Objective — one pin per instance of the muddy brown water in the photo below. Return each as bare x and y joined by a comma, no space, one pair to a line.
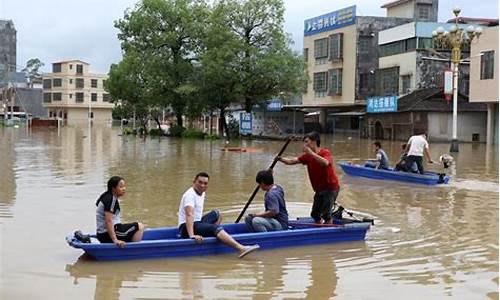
428,242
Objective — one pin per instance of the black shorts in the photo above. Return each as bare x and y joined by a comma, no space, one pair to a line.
322,205
206,227
124,232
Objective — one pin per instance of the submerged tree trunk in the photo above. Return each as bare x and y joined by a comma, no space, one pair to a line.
157,120
179,119
223,123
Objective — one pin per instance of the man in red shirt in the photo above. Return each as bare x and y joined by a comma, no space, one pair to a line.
324,182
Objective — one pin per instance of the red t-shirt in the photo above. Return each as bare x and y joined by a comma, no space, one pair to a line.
322,178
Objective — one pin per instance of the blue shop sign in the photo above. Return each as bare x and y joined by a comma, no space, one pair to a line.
337,19
274,105
382,104
245,123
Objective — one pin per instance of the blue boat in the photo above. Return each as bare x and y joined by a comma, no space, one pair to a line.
165,242
428,178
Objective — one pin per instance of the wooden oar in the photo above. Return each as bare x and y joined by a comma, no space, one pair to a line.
289,139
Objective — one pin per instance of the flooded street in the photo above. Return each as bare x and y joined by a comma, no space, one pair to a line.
427,242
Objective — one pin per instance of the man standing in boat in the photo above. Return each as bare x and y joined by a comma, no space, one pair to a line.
417,147
194,225
322,175
275,216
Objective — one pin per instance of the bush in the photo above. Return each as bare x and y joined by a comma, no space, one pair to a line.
193,133
127,131
212,137
177,130
156,132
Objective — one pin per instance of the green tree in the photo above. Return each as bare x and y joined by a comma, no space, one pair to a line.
32,70
166,34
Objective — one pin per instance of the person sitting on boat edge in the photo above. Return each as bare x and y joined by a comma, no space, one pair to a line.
401,165
194,225
417,147
275,216
381,161
322,175
108,217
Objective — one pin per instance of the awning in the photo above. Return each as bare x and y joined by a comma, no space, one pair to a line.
348,114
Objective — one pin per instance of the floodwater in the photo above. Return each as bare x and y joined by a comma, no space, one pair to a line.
428,242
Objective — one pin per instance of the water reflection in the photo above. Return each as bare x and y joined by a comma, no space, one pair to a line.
7,180
304,272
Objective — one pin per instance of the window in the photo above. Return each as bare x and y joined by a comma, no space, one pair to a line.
56,68
104,83
70,96
388,81
91,114
321,48
335,77
47,97
320,84
336,46
105,98
56,82
393,48
79,69
425,43
305,53
70,81
56,96
365,43
411,44
79,97
79,83
93,83
406,83
93,97
71,67
47,83
424,11
487,64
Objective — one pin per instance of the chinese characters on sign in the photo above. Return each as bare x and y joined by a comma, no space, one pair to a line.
274,105
245,123
382,104
333,20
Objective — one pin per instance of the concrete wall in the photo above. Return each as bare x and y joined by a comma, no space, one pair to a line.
348,65
485,90
8,46
397,33
78,116
469,123
406,10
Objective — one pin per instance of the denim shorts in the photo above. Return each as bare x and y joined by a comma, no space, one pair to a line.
206,227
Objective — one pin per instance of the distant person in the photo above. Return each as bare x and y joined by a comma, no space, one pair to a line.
194,225
275,216
108,217
322,175
381,161
401,165
417,147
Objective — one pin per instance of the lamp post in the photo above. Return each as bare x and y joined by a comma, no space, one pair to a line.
454,40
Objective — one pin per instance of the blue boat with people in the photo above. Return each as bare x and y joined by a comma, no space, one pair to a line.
166,243
428,178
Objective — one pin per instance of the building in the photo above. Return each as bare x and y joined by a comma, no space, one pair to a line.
75,95
341,52
425,110
484,78
8,44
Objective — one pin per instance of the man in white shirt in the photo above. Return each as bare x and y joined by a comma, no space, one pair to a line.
416,148
195,226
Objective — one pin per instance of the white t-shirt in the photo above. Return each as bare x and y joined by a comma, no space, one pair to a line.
191,198
417,145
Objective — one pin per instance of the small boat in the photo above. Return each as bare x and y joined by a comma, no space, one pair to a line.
429,178
165,242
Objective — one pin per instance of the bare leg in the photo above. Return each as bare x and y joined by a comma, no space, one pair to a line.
137,237
224,237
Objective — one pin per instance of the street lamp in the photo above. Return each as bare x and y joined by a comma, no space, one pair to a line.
455,38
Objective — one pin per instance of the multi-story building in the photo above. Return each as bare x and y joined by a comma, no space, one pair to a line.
75,95
7,48
340,49
484,78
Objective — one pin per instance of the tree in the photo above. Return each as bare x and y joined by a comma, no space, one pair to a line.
167,34
32,70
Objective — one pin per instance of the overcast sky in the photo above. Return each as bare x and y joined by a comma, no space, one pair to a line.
54,30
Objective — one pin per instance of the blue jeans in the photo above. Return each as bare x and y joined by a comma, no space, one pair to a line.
205,227
259,224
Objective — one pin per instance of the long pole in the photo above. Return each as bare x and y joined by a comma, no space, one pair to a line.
454,140
257,187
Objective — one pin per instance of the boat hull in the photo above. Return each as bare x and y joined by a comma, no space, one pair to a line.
429,178
165,243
